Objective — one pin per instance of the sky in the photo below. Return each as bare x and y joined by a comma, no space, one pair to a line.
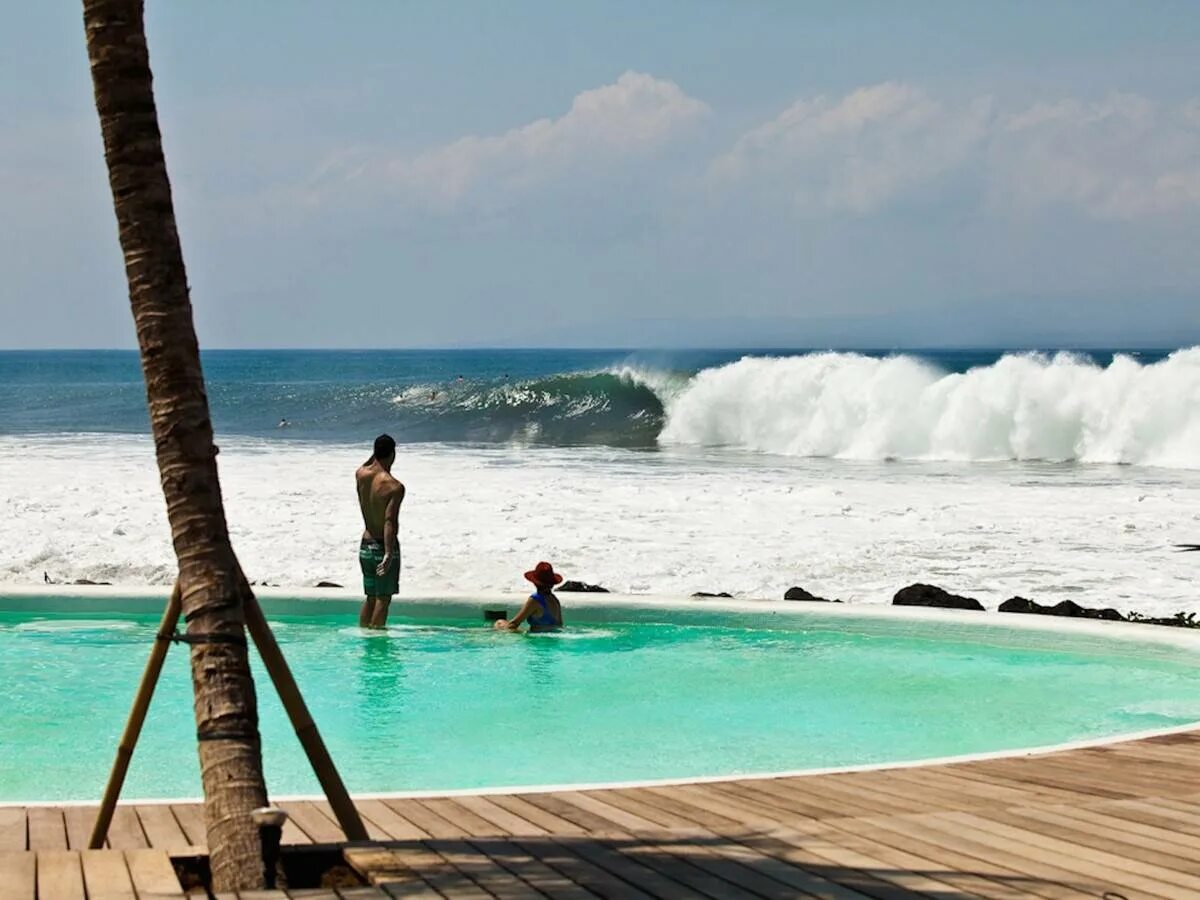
621,174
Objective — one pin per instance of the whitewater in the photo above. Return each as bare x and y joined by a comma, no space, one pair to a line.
1024,407
1048,476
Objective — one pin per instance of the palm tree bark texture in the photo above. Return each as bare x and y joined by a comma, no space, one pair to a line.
225,706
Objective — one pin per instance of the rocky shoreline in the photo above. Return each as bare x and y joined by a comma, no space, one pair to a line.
932,596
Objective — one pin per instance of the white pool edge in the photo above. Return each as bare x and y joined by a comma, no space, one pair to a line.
1178,637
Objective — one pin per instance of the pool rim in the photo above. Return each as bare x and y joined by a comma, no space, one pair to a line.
1120,631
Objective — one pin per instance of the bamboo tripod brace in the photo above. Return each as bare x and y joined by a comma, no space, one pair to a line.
289,695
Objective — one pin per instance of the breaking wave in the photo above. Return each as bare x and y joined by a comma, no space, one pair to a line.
619,407
1022,407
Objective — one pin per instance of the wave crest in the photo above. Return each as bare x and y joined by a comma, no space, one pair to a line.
1023,407
620,406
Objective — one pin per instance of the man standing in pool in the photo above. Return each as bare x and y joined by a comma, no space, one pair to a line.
379,498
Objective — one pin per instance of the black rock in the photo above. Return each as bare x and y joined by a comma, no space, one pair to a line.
1074,610
1023,605
328,584
702,594
88,581
1067,608
930,595
799,593
580,587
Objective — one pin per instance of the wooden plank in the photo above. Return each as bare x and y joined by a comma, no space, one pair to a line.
884,793
797,849
758,851
548,822
709,866
190,817
908,880
981,852
1002,881
615,814
18,873
60,875
152,874
105,875
14,832
161,827
125,832
587,820
530,870
1079,783
412,869
795,805
1098,833
460,816
491,877
1155,813
559,855
984,791
374,832
619,862
395,826
79,821
47,830
312,822
1032,864
1037,792
425,819
506,822
1107,818
858,798
1073,857
635,804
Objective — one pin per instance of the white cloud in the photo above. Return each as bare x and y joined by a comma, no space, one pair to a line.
628,119
1125,157
857,153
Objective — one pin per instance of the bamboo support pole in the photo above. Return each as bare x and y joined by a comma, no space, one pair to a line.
302,722
133,725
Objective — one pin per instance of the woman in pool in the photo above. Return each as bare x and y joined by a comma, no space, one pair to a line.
542,610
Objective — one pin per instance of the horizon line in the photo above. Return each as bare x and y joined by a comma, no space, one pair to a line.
634,348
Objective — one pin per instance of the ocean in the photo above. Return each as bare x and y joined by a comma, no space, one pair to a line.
993,473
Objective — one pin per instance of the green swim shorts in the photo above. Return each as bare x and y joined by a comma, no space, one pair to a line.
370,555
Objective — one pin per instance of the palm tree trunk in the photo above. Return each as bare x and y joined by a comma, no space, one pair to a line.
225,705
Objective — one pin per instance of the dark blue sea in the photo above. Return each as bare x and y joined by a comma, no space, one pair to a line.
556,397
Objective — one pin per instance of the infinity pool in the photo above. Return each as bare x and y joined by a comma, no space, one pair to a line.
443,702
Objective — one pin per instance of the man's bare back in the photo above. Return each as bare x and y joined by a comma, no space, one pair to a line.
377,488
379,497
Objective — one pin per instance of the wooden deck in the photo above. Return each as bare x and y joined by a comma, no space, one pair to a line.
1121,821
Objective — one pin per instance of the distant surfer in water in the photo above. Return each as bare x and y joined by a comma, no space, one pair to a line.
379,498
542,610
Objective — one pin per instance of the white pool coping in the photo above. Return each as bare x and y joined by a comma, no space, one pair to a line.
1121,631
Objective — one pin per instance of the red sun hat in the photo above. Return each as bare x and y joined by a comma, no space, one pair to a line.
543,573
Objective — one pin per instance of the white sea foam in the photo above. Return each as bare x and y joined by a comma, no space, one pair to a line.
1024,407
675,521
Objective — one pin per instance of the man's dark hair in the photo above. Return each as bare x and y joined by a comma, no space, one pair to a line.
385,446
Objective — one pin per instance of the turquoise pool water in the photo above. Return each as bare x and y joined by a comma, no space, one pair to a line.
447,703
